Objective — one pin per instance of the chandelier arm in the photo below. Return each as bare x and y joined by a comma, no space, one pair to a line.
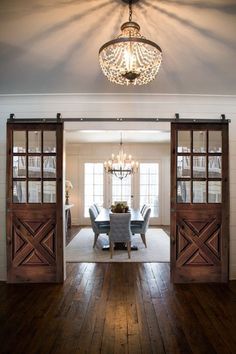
127,40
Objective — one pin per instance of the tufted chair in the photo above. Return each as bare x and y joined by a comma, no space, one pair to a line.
142,228
101,229
120,230
143,209
97,207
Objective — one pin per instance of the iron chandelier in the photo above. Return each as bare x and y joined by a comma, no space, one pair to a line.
121,165
130,58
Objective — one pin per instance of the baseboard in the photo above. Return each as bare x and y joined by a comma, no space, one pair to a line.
3,275
75,221
232,272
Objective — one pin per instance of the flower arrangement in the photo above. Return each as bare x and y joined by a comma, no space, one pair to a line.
120,208
68,186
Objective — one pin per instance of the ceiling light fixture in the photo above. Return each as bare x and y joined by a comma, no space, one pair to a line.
130,58
122,165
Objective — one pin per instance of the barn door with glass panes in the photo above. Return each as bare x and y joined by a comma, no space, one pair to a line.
199,202
34,202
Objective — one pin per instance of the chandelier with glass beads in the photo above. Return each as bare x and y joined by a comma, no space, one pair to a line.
130,59
122,164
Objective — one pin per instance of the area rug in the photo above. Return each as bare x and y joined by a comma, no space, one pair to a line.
80,249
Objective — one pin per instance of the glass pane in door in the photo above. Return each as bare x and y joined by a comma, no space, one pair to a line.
184,166
199,166
49,166
121,190
19,141
215,141
19,192
19,167
214,192
34,166
214,166
34,141
149,187
199,192
184,141
34,192
49,141
183,192
199,141
49,192
93,185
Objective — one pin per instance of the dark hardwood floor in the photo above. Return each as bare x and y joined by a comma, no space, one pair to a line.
118,308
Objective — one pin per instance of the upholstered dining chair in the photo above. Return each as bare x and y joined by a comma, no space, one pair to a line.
97,207
120,230
95,210
143,208
142,228
101,229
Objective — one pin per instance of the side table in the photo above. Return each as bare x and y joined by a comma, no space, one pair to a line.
68,216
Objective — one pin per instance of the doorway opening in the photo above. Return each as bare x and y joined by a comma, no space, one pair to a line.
86,151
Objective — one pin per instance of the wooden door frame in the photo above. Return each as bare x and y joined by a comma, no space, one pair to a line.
224,206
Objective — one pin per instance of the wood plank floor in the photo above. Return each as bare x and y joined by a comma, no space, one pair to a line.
118,308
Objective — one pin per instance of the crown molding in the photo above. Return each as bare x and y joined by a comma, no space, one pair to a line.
107,94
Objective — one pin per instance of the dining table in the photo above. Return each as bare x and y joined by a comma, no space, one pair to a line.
103,218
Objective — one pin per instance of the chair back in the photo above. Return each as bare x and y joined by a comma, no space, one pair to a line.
94,210
146,218
97,208
120,227
93,215
144,207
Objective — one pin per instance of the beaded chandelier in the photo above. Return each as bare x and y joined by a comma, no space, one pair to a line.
130,59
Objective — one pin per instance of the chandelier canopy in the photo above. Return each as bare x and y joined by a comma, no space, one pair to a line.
130,58
121,165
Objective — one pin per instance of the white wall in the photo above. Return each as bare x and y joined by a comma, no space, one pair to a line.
2,199
77,154
115,106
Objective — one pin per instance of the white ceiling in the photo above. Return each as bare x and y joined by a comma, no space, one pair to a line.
113,136
52,46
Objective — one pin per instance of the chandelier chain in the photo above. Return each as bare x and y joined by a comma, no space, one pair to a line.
130,11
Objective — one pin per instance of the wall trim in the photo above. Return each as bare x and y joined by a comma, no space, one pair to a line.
115,106
113,95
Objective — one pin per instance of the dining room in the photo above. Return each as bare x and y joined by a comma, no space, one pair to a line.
141,189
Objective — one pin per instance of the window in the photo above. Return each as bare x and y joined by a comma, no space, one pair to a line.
121,190
93,185
149,186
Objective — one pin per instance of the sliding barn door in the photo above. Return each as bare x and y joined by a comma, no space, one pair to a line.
199,202
34,202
